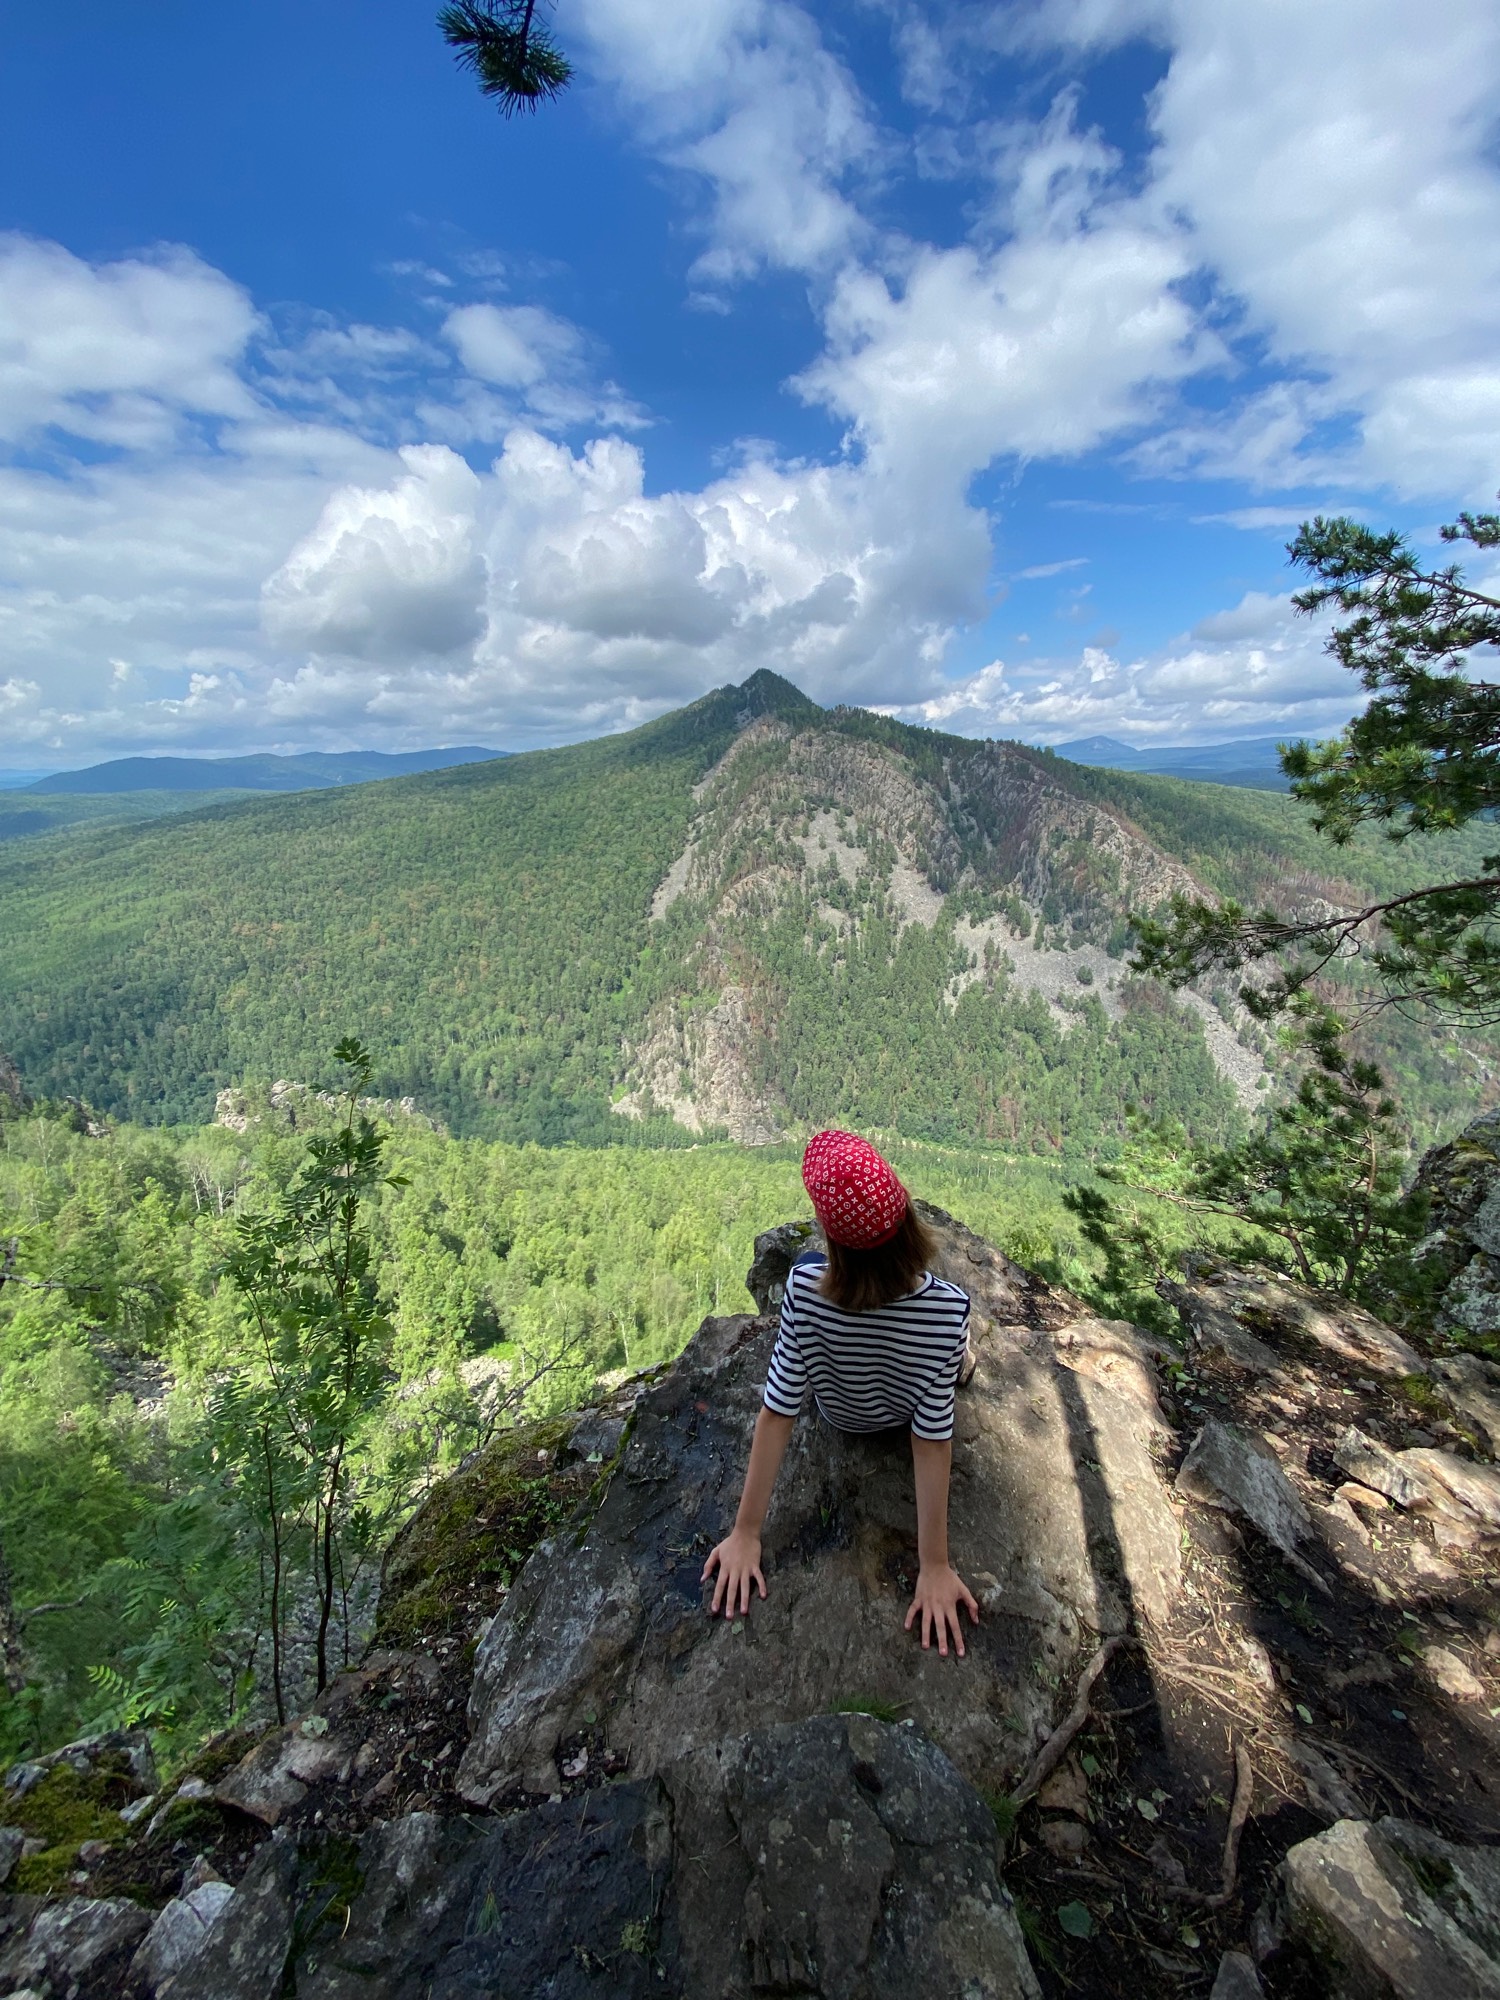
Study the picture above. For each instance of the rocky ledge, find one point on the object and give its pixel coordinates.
(1229, 1723)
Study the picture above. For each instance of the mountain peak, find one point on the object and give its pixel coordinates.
(767, 693)
(1093, 746)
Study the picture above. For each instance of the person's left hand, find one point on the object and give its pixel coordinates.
(940, 1591)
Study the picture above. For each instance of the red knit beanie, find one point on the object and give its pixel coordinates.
(855, 1195)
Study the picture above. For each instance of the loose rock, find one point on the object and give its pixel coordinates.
(83, 1945)
(1434, 1483)
(1451, 1675)
(1237, 1979)
(1236, 1470)
(179, 1933)
(1389, 1909)
(275, 1775)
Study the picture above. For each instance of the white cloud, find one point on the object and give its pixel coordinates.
(1044, 348)
(1335, 166)
(1258, 669)
(117, 352)
(386, 575)
(598, 601)
(515, 346)
(743, 93)
(1040, 570)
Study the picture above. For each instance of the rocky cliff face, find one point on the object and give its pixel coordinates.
(1229, 1717)
(802, 816)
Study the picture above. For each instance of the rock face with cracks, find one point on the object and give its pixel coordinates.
(840, 1857)
(651, 1801)
(1392, 1912)
(1058, 1517)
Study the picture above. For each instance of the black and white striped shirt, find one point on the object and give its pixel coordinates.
(897, 1364)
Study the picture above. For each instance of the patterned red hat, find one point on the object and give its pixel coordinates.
(855, 1195)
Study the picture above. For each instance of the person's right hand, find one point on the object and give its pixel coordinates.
(737, 1559)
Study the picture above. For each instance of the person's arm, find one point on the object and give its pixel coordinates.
(940, 1589)
(737, 1557)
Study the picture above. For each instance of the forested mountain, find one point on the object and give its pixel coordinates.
(137, 788)
(1252, 761)
(26, 814)
(748, 916)
(266, 773)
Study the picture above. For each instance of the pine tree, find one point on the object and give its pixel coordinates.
(1423, 757)
(516, 61)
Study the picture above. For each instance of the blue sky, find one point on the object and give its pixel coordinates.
(973, 363)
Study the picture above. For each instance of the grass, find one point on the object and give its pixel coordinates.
(1005, 1810)
(864, 1704)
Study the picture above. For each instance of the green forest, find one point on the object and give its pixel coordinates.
(510, 1279)
(489, 927)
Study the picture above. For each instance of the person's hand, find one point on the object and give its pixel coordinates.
(737, 1559)
(940, 1591)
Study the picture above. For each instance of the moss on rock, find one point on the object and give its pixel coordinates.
(452, 1563)
(65, 1809)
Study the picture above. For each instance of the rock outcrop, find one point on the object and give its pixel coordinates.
(1058, 1517)
(295, 1105)
(12, 1090)
(804, 816)
(1462, 1252)
(1393, 1912)
(840, 1856)
(1244, 1583)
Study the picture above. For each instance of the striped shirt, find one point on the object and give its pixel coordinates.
(868, 1371)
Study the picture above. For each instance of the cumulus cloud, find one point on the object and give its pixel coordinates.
(744, 94)
(1334, 166)
(1040, 350)
(597, 599)
(1257, 669)
(387, 574)
(291, 530)
(116, 352)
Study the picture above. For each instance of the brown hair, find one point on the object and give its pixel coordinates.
(861, 1280)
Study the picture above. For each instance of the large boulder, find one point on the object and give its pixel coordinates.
(1059, 1519)
(1230, 1315)
(840, 1857)
(1391, 1912)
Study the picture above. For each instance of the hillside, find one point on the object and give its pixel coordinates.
(1252, 761)
(25, 815)
(265, 773)
(746, 916)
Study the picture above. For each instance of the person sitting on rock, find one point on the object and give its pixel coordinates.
(879, 1341)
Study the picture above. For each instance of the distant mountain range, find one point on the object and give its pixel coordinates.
(1252, 762)
(312, 772)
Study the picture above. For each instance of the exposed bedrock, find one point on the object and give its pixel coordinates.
(1059, 1520)
(840, 1856)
